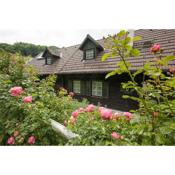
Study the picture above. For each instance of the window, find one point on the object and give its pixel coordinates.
(97, 88)
(76, 86)
(49, 60)
(89, 54)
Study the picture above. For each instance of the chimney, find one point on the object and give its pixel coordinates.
(131, 34)
(61, 54)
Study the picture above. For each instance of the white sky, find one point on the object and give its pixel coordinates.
(66, 22)
(58, 38)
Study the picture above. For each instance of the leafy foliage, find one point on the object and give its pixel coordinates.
(156, 94)
(33, 118)
(25, 49)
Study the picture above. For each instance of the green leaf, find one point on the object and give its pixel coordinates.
(121, 33)
(114, 72)
(136, 38)
(165, 60)
(105, 56)
(135, 52)
(171, 82)
(131, 97)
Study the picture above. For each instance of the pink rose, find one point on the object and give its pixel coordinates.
(15, 91)
(16, 133)
(27, 99)
(81, 109)
(90, 108)
(31, 140)
(11, 141)
(116, 115)
(106, 114)
(128, 115)
(75, 114)
(115, 135)
(71, 94)
(101, 108)
(155, 48)
(172, 70)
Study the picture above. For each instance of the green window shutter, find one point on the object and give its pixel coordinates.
(70, 85)
(105, 89)
(88, 88)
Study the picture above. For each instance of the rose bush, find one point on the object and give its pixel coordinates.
(28, 103)
(155, 95)
(102, 126)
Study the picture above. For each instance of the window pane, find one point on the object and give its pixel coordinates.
(97, 88)
(90, 54)
(76, 86)
(49, 60)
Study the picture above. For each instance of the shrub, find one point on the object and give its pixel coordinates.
(156, 94)
(28, 104)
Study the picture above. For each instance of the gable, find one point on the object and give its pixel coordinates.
(91, 43)
(88, 45)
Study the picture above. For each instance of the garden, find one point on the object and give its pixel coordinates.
(28, 103)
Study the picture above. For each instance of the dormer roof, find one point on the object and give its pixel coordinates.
(53, 50)
(88, 37)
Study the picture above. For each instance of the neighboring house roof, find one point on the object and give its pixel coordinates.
(72, 61)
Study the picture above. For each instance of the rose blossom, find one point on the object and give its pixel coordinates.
(106, 114)
(90, 108)
(71, 94)
(16, 133)
(128, 115)
(172, 70)
(75, 113)
(31, 140)
(155, 48)
(116, 115)
(27, 99)
(101, 108)
(15, 91)
(11, 141)
(115, 135)
(81, 109)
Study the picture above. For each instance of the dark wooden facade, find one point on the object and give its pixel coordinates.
(83, 62)
(112, 90)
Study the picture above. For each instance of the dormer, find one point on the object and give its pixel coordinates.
(51, 54)
(90, 48)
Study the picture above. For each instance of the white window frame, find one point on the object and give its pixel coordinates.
(97, 88)
(50, 59)
(89, 54)
(77, 86)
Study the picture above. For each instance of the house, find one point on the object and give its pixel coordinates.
(80, 69)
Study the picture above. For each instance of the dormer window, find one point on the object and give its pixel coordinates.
(89, 54)
(51, 54)
(49, 60)
(90, 48)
